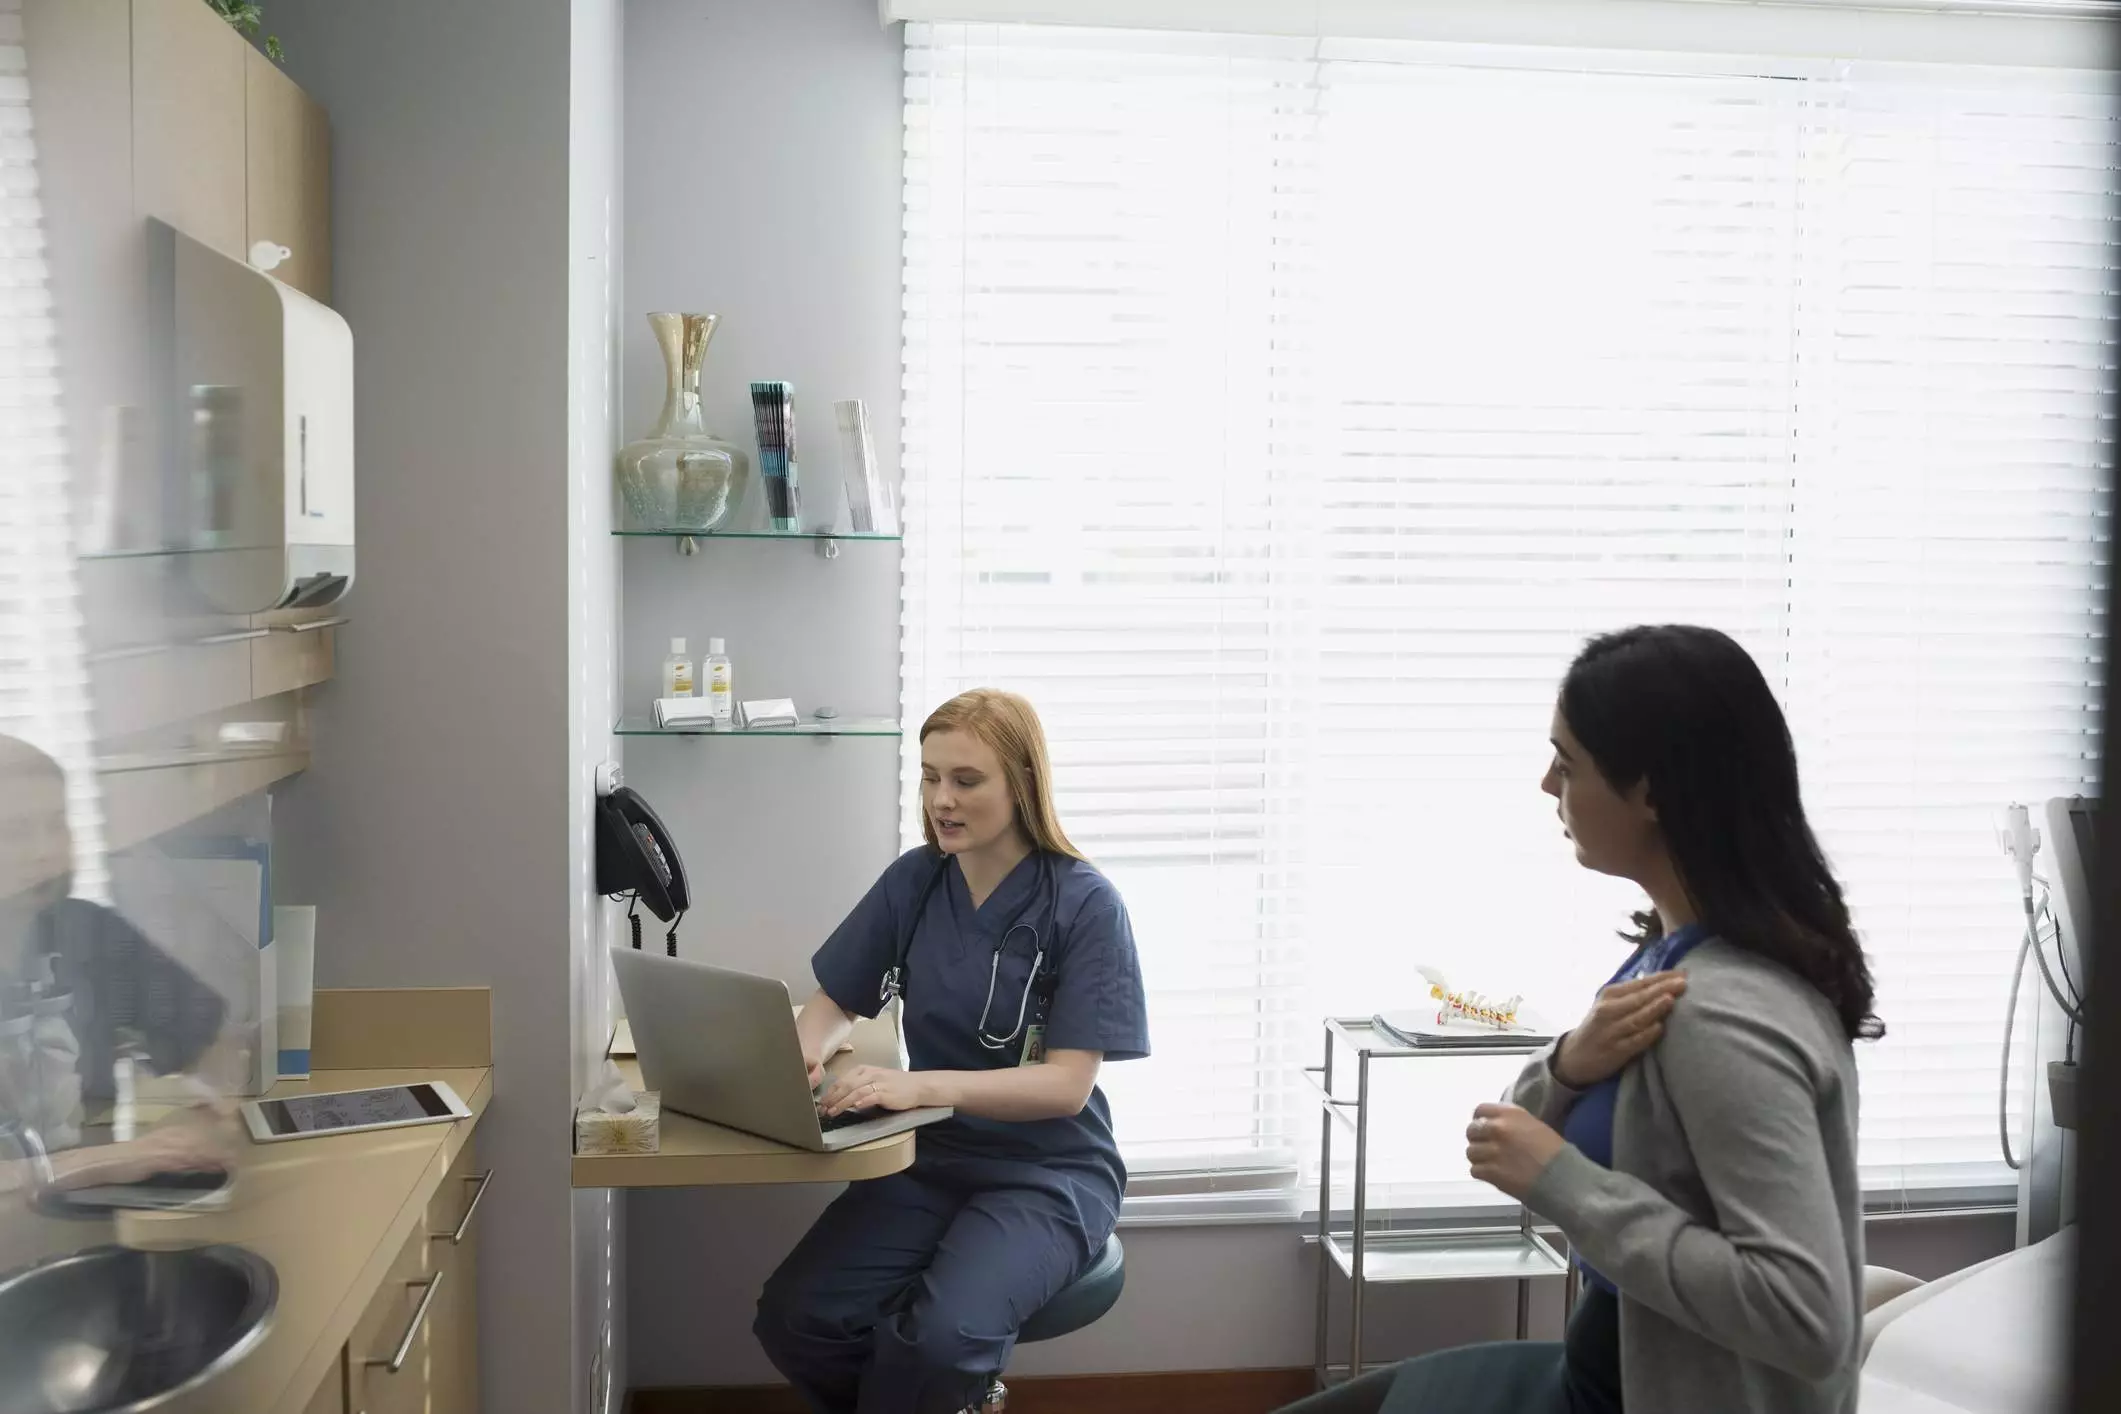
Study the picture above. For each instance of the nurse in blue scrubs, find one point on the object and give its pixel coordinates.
(1017, 972)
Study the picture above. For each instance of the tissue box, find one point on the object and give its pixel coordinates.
(597, 1134)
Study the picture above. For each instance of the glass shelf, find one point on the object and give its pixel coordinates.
(186, 758)
(1365, 1037)
(1391, 1258)
(838, 726)
(159, 552)
(810, 535)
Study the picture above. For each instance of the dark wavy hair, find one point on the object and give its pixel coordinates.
(1687, 709)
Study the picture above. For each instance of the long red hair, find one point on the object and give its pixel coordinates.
(1009, 725)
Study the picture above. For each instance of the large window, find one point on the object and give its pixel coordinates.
(43, 679)
(1281, 415)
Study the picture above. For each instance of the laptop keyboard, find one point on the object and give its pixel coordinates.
(828, 1123)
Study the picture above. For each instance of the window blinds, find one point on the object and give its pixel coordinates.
(43, 683)
(1281, 415)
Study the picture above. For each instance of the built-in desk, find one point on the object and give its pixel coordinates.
(698, 1154)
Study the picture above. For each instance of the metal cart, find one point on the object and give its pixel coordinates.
(1509, 1252)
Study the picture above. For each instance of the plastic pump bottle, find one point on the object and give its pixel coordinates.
(721, 694)
(677, 671)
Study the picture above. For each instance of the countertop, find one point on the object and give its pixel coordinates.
(330, 1214)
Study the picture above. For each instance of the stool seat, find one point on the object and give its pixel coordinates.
(1083, 1300)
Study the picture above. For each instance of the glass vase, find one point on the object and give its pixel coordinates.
(681, 476)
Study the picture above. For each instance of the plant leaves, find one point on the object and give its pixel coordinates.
(248, 18)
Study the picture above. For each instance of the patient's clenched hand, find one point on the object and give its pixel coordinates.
(1509, 1148)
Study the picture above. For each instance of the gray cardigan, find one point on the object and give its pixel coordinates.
(1732, 1219)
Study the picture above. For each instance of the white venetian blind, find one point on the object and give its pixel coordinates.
(43, 682)
(1281, 414)
(1097, 243)
(1954, 449)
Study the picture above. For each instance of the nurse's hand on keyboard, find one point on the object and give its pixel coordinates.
(816, 1067)
(871, 1087)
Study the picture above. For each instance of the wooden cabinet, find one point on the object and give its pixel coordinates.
(188, 127)
(453, 1232)
(288, 174)
(225, 147)
(390, 1359)
(158, 109)
(80, 77)
(425, 1319)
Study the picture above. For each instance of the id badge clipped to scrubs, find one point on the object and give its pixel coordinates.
(1034, 1052)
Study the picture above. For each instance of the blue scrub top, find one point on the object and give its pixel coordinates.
(1097, 1001)
(1589, 1125)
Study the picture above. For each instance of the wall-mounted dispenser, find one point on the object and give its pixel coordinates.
(254, 417)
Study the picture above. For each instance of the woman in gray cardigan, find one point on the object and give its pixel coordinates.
(1695, 1136)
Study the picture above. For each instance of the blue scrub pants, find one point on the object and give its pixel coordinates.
(906, 1296)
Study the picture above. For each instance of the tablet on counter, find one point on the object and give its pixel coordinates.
(349, 1111)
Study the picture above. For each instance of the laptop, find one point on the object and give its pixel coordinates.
(722, 1046)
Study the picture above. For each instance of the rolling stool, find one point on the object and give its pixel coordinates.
(1074, 1306)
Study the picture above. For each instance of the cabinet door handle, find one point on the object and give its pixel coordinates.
(464, 1223)
(412, 1327)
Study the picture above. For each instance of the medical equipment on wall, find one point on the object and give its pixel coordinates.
(2044, 1170)
(253, 421)
(1039, 983)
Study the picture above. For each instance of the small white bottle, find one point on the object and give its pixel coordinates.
(721, 692)
(677, 671)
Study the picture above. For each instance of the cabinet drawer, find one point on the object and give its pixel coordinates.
(454, 1218)
(331, 1394)
(282, 662)
(389, 1359)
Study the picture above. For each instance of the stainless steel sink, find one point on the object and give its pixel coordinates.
(117, 1331)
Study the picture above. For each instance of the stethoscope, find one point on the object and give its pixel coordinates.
(894, 987)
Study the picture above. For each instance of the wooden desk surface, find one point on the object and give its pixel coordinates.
(698, 1154)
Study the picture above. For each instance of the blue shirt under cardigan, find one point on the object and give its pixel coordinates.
(1590, 1123)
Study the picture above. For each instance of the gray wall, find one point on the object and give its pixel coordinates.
(763, 183)
(440, 829)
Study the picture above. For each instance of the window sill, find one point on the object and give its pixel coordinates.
(1284, 1208)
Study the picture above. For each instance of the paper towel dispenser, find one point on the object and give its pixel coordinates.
(253, 384)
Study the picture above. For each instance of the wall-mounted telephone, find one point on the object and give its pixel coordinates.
(638, 861)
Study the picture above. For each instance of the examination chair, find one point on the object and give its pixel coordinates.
(1076, 1305)
(1986, 1340)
